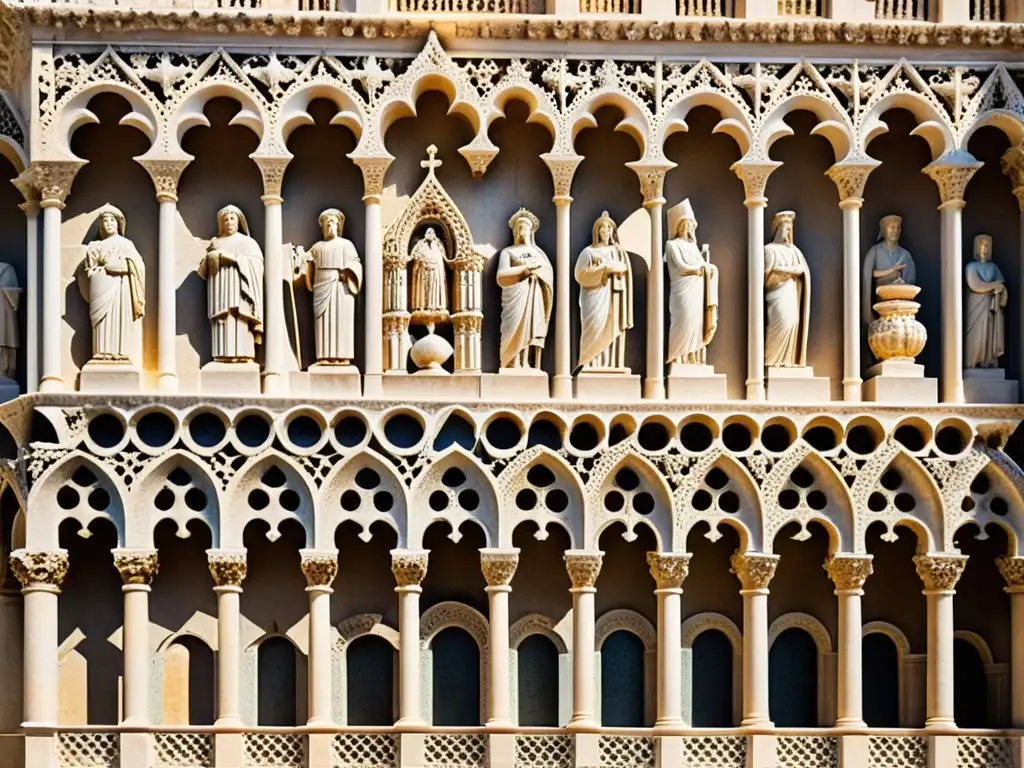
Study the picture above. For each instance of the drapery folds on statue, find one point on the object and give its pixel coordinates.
(527, 280)
(787, 297)
(693, 290)
(606, 298)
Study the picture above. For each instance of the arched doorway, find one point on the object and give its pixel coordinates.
(622, 680)
(370, 669)
(188, 684)
(276, 680)
(538, 682)
(880, 681)
(456, 676)
(711, 690)
(793, 680)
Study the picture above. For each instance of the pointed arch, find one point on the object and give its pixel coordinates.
(932, 123)
(156, 477)
(643, 492)
(479, 505)
(190, 113)
(548, 509)
(62, 492)
(694, 492)
(454, 412)
(833, 123)
(541, 109)
(275, 505)
(349, 493)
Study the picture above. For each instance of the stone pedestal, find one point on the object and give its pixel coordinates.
(109, 377)
(694, 383)
(900, 381)
(334, 380)
(230, 378)
(432, 384)
(607, 386)
(797, 385)
(987, 385)
(515, 384)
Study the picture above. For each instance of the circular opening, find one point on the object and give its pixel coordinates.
(891, 480)
(998, 506)
(584, 436)
(155, 429)
(164, 500)
(910, 437)
(289, 500)
(817, 500)
(776, 438)
(274, 478)
(195, 499)
(802, 478)
(99, 499)
(904, 502)
(729, 502)
(696, 436)
(469, 499)
(304, 431)
(861, 440)
(967, 505)
(653, 436)
(258, 499)
(980, 484)
(618, 434)
(716, 479)
(701, 500)
(253, 430)
(614, 501)
(383, 501)
(526, 499)
(350, 431)
(789, 499)
(643, 503)
(627, 479)
(106, 430)
(546, 433)
(403, 431)
(504, 433)
(453, 477)
(950, 440)
(367, 479)
(877, 502)
(540, 476)
(179, 476)
(350, 500)
(821, 438)
(438, 501)
(557, 500)
(736, 437)
(68, 498)
(83, 476)
(207, 429)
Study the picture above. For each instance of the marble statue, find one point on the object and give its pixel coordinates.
(113, 281)
(428, 291)
(787, 297)
(333, 272)
(233, 269)
(606, 298)
(526, 279)
(886, 263)
(693, 290)
(986, 302)
(9, 339)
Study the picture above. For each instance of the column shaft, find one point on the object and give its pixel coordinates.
(499, 708)
(275, 334)
(952, 303)
(1017, 659)
(31, 296)
(940, 573)
(755, 298)
(670, 673)
(755, 572)
(50, 338)
(166, 304)
(319, 654)
(410, 568)
(229, 656)
(852, 321)
(136, 654)
(850, 709)
(562, 383)
(373, 299)
(654, 382)
(583, 658)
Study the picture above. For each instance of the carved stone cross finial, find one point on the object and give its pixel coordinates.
(432, 163)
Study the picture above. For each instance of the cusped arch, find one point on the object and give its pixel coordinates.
(538, 624)
(156, 477)
(246, 507)
(540, 109)
(925, 520)
(1006, 481)
(635, 122)
(191, 112)
(807, 623)
(364, 624)
(73, 111)
(630, 621)
(455, 511)
(891, 631)
(702, 622)
(651, 482)
(332, 509)
(294, 110)
(932, 124)
(515, 478)
(833, 123)
(735, 118)
(748, 522)
(1008, 119)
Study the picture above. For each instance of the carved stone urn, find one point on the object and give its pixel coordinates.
(896, 334)
(431, 352)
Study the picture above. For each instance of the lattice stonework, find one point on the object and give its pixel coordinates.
(183, 750)
(364, 750)
(274, 750)
(544, 751)
(88, 750)
(626, 751)
(715, 752)
(463, 750)
(897, 752)
(808, 752)
(984, 752)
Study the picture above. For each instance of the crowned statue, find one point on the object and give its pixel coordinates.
(693, 290)
(112, 280)
(606, 298)
(787, 297)
(986, 305)
(526, 279)
(428, 292)
(9, 337)
(886, 263)
(233, 269)
(333, 272)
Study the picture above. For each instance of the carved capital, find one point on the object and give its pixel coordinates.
(409, 566)
(940, 572)
(52, 180)
(849, 572)
(26, 186)
(652, 179)
(850, 179)
(374, 169)
(136, 566)
(272, 170)
(669, 569)
(1012, 163)
(563, 168)
(165, 172)
(952, 176)
(584, 567)
(499, 566)
(319, 566)
(228, 566)
(1012, 569)
(40, 568)
(755, 571)
(754, 176)
(478, 158)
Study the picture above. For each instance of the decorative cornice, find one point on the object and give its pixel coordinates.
(228, 566)
(136, 566)
(669, 569)
(849, 572)
(584, 567)
(499, 566)
(409, 566)
(755, 571)
(40, 568)
(320, 567)
(1012, 569)
(939, 571)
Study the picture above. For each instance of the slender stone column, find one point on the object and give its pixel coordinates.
(848, 573)
(940, 572)
(669, 570)
(584, 568)
(1012, 569)
(754, 176)
(1013, 166)
(410, 568)
(374, 170)
(137, 568)
(499, 566)
(755, 572)
(228, 567)
(275, 332)
(31, 209)
(319, 567)
(952, 175)
(41, 574)
(165, 174)
(563, 168)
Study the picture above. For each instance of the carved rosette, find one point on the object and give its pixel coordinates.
(1012, 569)
(227, 566)
(584, 568)
(40, 568)
(52, 179)
(165, 173)
(669, 569)
(374, 169)
(409, 566)
(136, 566)
(754, 176)
(940, 572)
(319, 567)
(850, 179)
(563, 168)
(755, 571)
(499, 566)
(272, 169)
(849, 572)
(952, 178)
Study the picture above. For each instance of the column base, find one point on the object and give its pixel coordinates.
(167, 383)
(654, 389)
(755, 390)
(274, 383)
(852, 391)
(670, 726)
(561, 387)
(759, 722)
(499, 725)
(850, 722)
(583, 725)
(51, 384)
(411, 724)
(229, 724)
(136, 723)
(940, 724)
(373, 385)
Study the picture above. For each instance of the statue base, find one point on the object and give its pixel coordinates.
(609, 385)
(432, 384)
(987, 385)
(696, 383)
(230, 378)
(526, 385)
(109, 376)
(900, 381)
(797, 385)
(9, 389)
(334, 380)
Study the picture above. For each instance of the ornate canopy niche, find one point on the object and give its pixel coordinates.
(432, 206)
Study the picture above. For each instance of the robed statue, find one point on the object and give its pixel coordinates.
(526, 279)
(986, 305)
(606, 298)
(886, 263)
(333, 272)
(428, 292)
(787, 297)
(693, 290)
(112, 280)
(10, 299)
(233, 269)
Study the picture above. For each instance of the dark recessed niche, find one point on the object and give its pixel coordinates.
(696, 436)
(540, 476)
(821, 438)
(304, 431)
(504, 433)
(776, 438)
(950, 440)
(653, 436)
(736, 436)
(910, 437)
(403, 431)
(253, 430)
(155, 429)
(207, 429)
(861, 440)
(584, 436)
(544, 432)
(106, 430)
(350, 431)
